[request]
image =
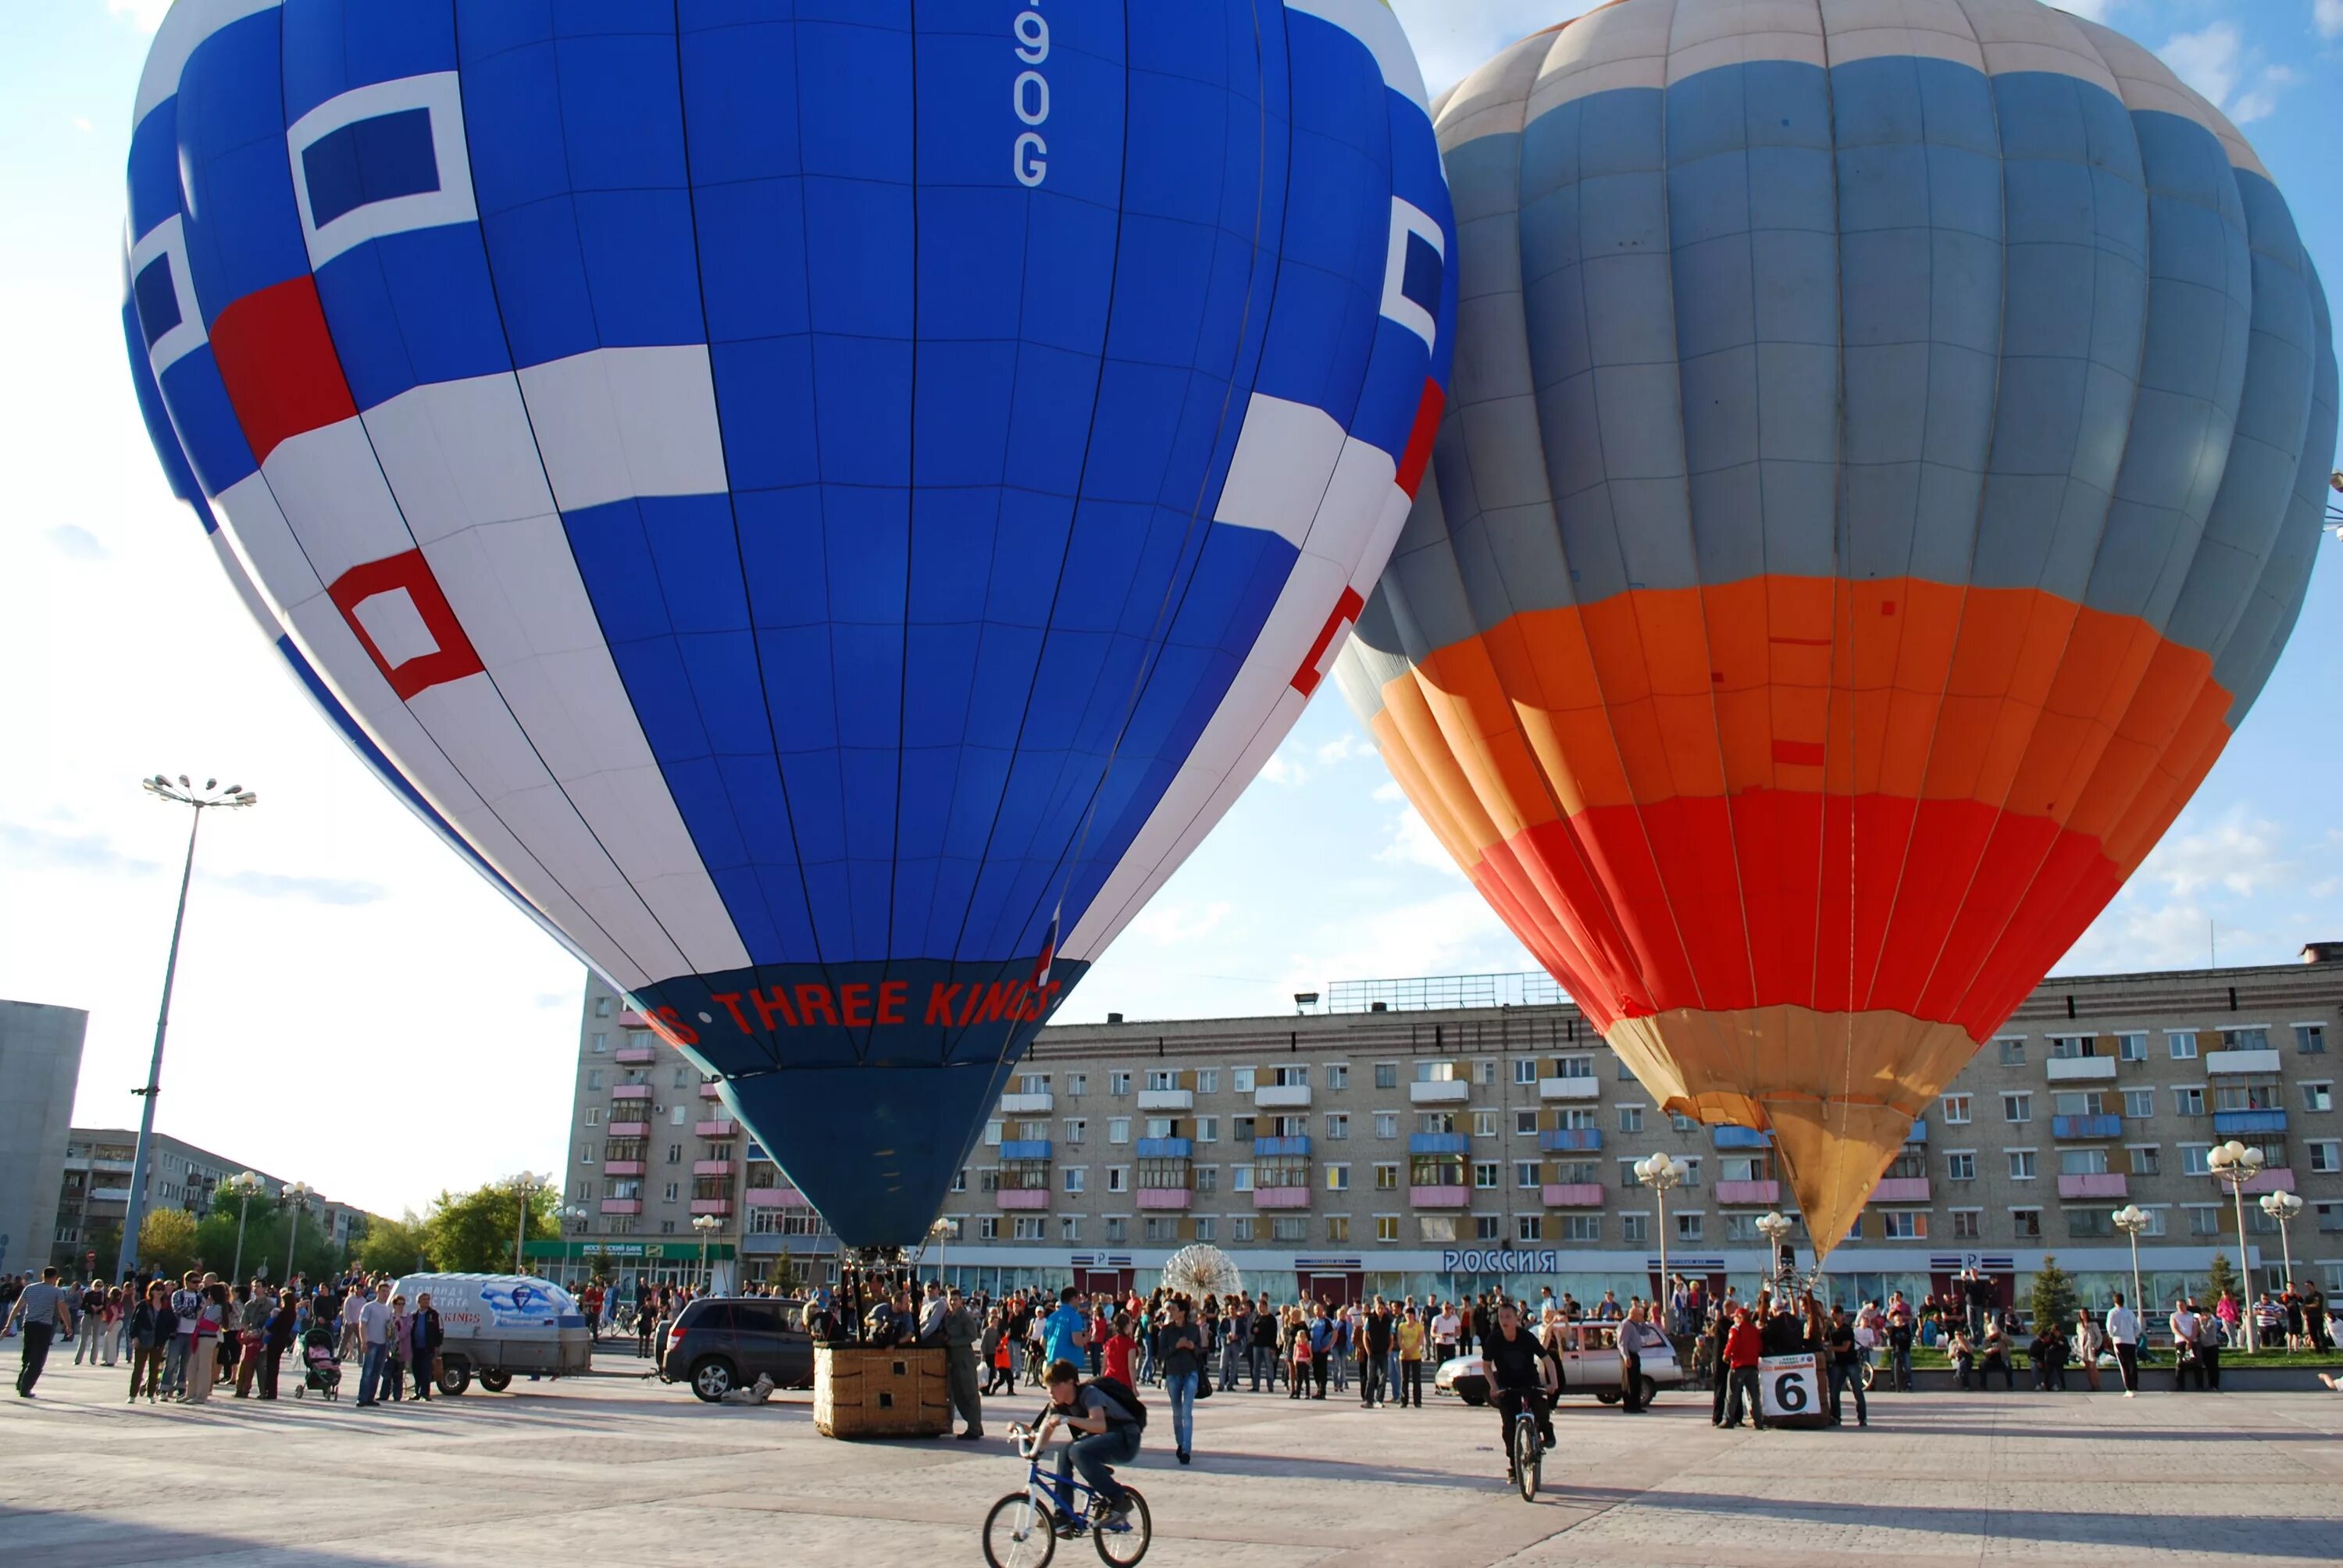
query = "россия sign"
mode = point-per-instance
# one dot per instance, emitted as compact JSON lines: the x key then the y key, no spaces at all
{"x":1501,"y":1260}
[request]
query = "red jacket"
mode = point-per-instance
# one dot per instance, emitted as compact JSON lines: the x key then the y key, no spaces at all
{"x":1745,"y":1346}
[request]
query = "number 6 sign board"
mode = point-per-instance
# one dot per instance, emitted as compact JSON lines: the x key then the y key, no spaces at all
{"x":1791,"y":1389}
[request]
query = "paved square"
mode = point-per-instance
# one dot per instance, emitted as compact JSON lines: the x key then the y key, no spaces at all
{"x":611,"y":1469}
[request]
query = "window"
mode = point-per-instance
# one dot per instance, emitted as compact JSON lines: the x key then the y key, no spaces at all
{"x":1688,"y":1226}
{"x":1631,"y":1119}
{"x":1484,"y":1071}
{"x":2021,"y":1164}
{"x":1628,"y":1176}
{"x":1078,"y":1083}
{"x":1387,"y":1077}
{"x":2131,"y":1048}
{"x":1435,"y":1121}
{"x":1032,"y":1132}
{"x":1680,"y":1121}
{"x":2069,"y":1047}
{"x":1386,"y":1178}
{"x":2182,"y":1043}
{"x":1526,"y":1228}
{"x":1966,"y":1223}
{"x":593,"y":1118}
{"x":675,"y":1116}
{"x":2188,"y":1099}
{"x":2318,"y":1096}
{"x":987,"y":1227}
{"x":1076,"y":1127}
{"x":1118,"y":1130}
{"x":1154,"y":1228}
{"x":1484,"y":1174}
{"x":1626,"y":1073}
{"x":1069,"y":1227}
{"x":2144,"y":1160}
{"x":585,"y":1157}
{"x":992,"y":1135}
{"x":1960,"y":1165}
{"x":1161,"y":1126}
{"x":1208,"y":1130}
{"x":675,"y":1153}
{"x":1118,"y":1083}
{"x":1525,"y":1176}
{"x":1741,"y":1168}
{"x":1289,"y":1077}
{"x":2139,"y":1104}
{"x":1033,"y":1084}
{"x":1956,"y":1109}
{"x":671,"y":1189}
{"x":2252,"y":1038}
{"x":1742,"y":1227}
{"x":1338,"y":1227}
{"x":1525,"y":1123}
{"x":1241,"y":1080}
{"x":2089,"y":1223}
{"x":1118,"y":1228}
{"x":1118,"y":1178}
{"x":1160,"y":1079}
{"x":2017,"y":1107}
{"x":2013,"y":1052}
{"x":1436,"y":1227}
{"x":1386,"y":1227}
{"x":2082,"y":1162}
{"x":1207,"y":1178}
{"x":1386,"y":1123}
{"x":2027,"y":1223}
{"x":2204,"y":1220}
{"x":1240,"y":1178}
{"x":1338,"y":1076}
{"x":1488,"y":1227}
{"x":959,"y":1185}
{"x":1338,"y":1125}
{"x":2330,"y":1217}
{"x":1578,"y":1067}
{"x":2078,"y":1102}
{"x":602,"y":1010}
{"x":2326,"y":1154}
{"x":2310,"y":1039}
{"x":1437,"y":1073}
{"x":1076,"y":1177}
{"x":593,"y":1082}
{"x":1634,"y":1228}
{"x":1240,"y":1228}
{"x":1525,"y":1069}
{"x":684,"y":1077}
{"x":1692,"y":1170}
{"x":1208,"y":1081}
{"x":2194,"y":1159}
{"x":1903,"y":1225}
{"x":1206,"y":1227}
{"x":1484,"y":1124}
{"x":1338,"y":1178}
{"x":1288,"y":1127}
{"x":1290,"y":1228}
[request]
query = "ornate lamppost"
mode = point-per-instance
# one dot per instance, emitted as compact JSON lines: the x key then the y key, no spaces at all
{"x":2237,"y":1164}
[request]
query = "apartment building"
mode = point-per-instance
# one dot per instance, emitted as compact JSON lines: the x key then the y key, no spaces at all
{"x":1394,"y":1142}
{"x":94,"y":1193}
{"x":653,"y":1149}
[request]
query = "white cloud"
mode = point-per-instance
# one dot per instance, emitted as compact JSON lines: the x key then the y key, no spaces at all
{"x":1389,"y":789}
{"x":82,"y":123}
{"x":2232,"y":881}
{"x":2215,"y":61}
{"x":2326,"y":16}
{"x":1284,"y":771}
{"x":1342,"y":748}
{"x":144,"y":14}
{"x":1454,"y":933}
{"x":2238,"y":852}
{"x":1414,"y":844}
{"x":1169,"y":925}
{"x":73,"y":540}
{"x":2090,"y":10}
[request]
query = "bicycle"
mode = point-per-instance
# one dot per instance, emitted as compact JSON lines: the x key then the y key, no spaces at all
{"x":1528,"y":1452}
{"x":1018,"y":1531}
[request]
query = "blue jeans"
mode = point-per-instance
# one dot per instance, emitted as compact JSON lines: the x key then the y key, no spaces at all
{"x":370,"y":1373}
{"x":1092,"y":1455}
{"x":1182,"y":1387}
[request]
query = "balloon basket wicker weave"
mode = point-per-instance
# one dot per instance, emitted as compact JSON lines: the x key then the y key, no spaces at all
{"x":863,"y":1393}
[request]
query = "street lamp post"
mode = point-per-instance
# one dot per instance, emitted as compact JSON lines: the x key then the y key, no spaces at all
{"x":1663,"y":1173}
{"x":2131,"y":1220}
{"x":210,"y":797}
{"x":941,"y":1234}
{"x":296,"y":1198}
{"x":524,"y":1187}
{"x":2282,"y":1207}
{"x":2237,"y":1164}
{"x":243,"y":1186}
{"x":1774,"y":1227}
{"x":571,"y":1213}
{"x":707,"y":1225}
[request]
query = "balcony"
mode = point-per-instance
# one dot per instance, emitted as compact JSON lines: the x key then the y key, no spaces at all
{"x":1440,"y":1196}
{"x":1437,"y":1144}
{"x":1167,"y":1099}
{"x":709,"y":1091}
{"x":628,"y":1129}
{"x":633,"y":1055}
{"x":2242,"y":1124}
{"x":1587,"y":1088}
{"x":1039,"y":1104}
{"x":1443,"y":1091}
{"x":622,"y":1167}
{"x":1023,"y":1197}
{"x":1570,"y":1141}
{"x":622,"y":1205}
{"x":711,"y":1167}
{"x":1741,"y":1138}
{"x":1168,"y":1197}
{"x":711,"y":1205}
{"x":628,"y":1092}
{"x":1901,"y":1190}
{"x":1766,"y":1193}
{"x":1026,"y":1149}
{"x":1282,"y":1096}
{"x":1573,"y":1194}
{"x":724,"y":1126}
{"x":2274,"y":1178}
{"x":2087,"y":1126}
{"x":2229,"y":1061}
{"x":1919,"y":1133}
{"x":1291,"y":1147}
{"x":630,"y":1019}
{"x":1280,"y":1197}
{"x":2088,"y":1069}
{"x":2104,"y":1184}
{"x":1167,"y":1149}
{"x":773,"y":1197}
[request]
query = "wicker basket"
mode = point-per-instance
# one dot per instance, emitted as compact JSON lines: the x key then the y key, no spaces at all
{"x":860,"y":1393}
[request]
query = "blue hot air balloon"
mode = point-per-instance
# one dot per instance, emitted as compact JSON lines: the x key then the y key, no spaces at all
{"x":825,"y":503}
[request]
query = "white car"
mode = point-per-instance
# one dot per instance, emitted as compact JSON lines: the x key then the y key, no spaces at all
{"x":1590,"y":1364}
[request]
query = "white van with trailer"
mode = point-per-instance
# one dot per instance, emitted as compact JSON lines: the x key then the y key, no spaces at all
{"x":493,"y":1325}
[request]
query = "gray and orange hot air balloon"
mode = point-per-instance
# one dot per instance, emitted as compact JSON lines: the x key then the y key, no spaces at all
{"x":1883,"y":461}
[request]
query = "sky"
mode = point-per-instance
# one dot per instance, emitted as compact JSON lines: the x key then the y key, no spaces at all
{"x":358,"y":1009}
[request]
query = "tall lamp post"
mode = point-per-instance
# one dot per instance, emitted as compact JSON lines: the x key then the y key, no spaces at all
{"x":243,"y":1186}
{"x":524,"y":1187}
{"x":941,"y":1233}
{"x":296,"y":1198}
{"x":1663,"y":1173}
{"x":2131,"y":1220}
{"x":211,"y":797}
{"x":1776,"y":1227}
{"x":2237,"y":1164}
{"x":2281,"y":1207}
{"x":707,"y":1225}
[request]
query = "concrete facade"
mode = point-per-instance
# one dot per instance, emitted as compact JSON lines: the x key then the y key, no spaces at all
{"x":40,"y":1062}
{"x":94,"y":1189}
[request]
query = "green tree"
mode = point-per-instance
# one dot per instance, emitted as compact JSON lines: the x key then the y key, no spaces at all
{"x":472,"y":1233}
{"x":2054,"y":1299}
{"x":2221,"y":1280}
{"x":392,"y":1246}
{"x":166,"y":1240}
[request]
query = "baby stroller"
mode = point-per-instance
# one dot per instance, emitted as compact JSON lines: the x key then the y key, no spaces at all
{"x":321,"y":1370}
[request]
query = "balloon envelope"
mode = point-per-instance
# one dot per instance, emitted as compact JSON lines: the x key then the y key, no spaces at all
{"x":1882,"y":465}
{"x":825,"y":503}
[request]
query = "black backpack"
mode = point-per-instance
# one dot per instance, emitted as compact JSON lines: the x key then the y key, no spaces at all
{"x":1123,"y":1394}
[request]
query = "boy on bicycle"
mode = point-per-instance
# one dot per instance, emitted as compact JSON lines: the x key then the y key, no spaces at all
{"x":1109,"y":1435}
{"x":1523,"y":1374}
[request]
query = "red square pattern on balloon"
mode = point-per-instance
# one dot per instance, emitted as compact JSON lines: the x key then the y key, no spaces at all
{"x":278,"y":361}
{"x":409,"y":574}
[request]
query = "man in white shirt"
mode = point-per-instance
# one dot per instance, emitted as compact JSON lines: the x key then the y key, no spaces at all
{"x":186,"y":1301}
{"x":2123,"y":1330}
{"x":2185,"y":1367}
{"x":1444,"y":1329}
{"x":375,"y":1321}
